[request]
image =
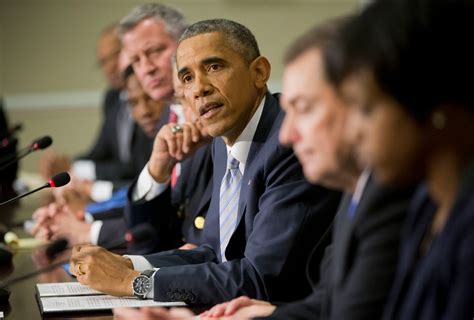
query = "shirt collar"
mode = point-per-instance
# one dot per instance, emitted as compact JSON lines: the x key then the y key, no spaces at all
{"x":240,"y":149}
{"x":360,"y":186}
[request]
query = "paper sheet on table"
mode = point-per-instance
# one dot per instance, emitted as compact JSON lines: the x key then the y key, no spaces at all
{"x":98,"y":302}
{"x":64,"y":289}
{"x":74,"y":296}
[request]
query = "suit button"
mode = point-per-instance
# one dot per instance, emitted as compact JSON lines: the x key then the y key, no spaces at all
{"x":199,"y":222}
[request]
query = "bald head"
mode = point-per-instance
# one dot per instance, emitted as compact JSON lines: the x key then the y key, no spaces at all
{"x":108,"y":49}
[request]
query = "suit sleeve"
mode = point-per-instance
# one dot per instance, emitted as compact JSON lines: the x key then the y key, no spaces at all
{"x":314,"y":306}
{"x":111,"y":229}
{"x":161,"y":214}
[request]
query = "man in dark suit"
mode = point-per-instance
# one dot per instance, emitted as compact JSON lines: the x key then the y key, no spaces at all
{"x":121,"y":148}
{"x":263,"y":218}
{"x":358,"y":268}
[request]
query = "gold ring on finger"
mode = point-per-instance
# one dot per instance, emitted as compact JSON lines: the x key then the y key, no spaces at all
{"x":79,"y":270}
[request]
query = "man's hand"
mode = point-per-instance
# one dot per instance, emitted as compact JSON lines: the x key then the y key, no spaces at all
{"x":240,"y":308}
{"x":169,"y":148}
{"x":102,"y":270}
{"x":153,"y":313}
{"x":188,"y":246}
{"x":43,"y":219}
{"x":67,"y":225}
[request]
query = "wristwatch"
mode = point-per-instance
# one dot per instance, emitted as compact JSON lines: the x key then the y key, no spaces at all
{"x":142,"y":284}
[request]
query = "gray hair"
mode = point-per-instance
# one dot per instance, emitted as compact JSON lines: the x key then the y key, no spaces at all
{"x":173,"y":20}
{"x":239,"y":38}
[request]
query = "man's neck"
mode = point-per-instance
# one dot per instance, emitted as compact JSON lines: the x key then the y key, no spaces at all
{"x":231,"y":138}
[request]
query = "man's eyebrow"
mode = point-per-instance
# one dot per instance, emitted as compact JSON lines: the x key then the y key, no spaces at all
{"x":211,"y":60}
{"x":182,"y":71}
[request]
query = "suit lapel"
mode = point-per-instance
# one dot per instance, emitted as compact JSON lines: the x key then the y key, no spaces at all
{"x":341,"y":239}
{"x":211,"y":230}
{"x":345,"y":232}
{"x":266,"y":126}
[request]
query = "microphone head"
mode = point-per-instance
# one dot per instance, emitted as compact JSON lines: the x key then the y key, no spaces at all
{"x":59,"y":180}
{"x":41,"y":143}
{"x":140,"y":233}
{"x":56,"y":247}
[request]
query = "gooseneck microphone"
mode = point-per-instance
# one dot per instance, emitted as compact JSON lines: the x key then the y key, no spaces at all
{"x":37,"y":144}
{"x":139,"y":233}
{"x":57,"y":181}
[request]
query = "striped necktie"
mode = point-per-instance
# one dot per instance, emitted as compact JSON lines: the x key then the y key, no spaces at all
{"x":229,"y":202}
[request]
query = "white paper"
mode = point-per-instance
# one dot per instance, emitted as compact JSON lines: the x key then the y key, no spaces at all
{"x":62,"y":289}
{"x":99,"y":302}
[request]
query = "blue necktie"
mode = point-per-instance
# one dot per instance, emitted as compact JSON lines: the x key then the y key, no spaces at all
{"x":229,"y":202}
{"x":352,"y":208}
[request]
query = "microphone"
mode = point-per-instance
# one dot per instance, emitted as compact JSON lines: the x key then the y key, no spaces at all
{"x":41,"y":143}
{"x":37,"y":144}
{"x":141,"y":232}
{"x":57,"y":181}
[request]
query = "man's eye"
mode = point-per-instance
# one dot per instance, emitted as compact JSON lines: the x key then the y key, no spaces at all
{"x":156,"y":50}
{"x":214,"y":67}
{"x":186,"y":78}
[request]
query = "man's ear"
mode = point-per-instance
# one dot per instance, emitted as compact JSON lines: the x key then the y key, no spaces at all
{"x":260,"y":69}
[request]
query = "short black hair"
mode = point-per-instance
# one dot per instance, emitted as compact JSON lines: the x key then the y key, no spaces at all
{"x":239,"y":37}
{"x":418,"y":51}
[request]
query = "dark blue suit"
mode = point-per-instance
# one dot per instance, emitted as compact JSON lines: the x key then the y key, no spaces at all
{"x":440,"y":283}
{"x":172,"y":213}
{"x":359,"y":266}
{"x":280,"y":218}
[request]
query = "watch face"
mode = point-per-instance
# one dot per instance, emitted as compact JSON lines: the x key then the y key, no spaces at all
{"x":141,"y":285}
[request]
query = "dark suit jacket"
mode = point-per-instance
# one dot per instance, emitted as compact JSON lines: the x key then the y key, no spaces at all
{"x":8,"y":151}
{"x":173,"y":212}
{"x":440,"y":284}
{"x":360,"y":265}
{"x":105,"y":152}
{"x":280,"y":217}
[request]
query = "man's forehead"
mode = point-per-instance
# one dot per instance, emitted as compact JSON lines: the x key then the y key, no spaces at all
{"x":202,"y":41}
{"x":148,"y":29}
{"x":203,"y":47}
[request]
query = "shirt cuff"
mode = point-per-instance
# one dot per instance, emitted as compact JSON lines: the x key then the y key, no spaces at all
{"x":84,"y":169}
{"x":151,"y":293}
{"x":147,"y":188}
{"x":139,"y":263}
{"x":95,"y":232}
{"x":102,"y":190}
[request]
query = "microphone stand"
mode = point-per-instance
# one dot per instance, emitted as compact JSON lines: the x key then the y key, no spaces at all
{"x":24,"y":195}
{"x":15,"y":158}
